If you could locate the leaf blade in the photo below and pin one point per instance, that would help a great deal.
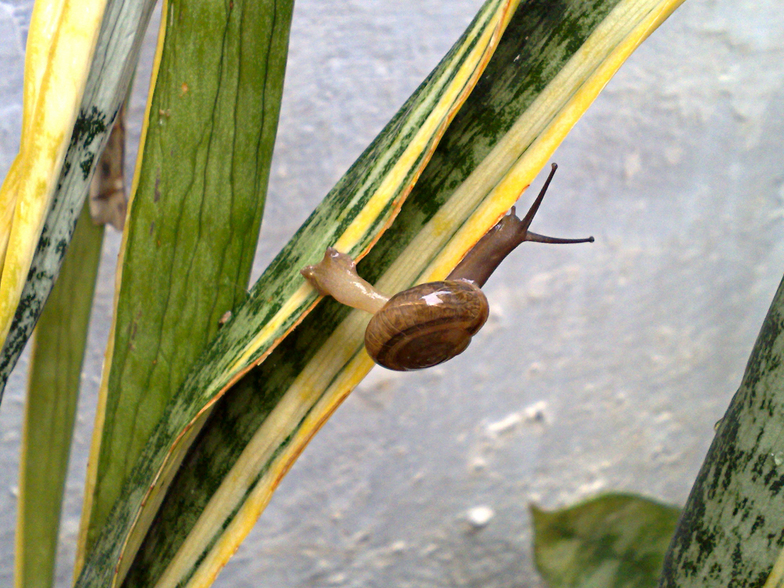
(286, 399)
(195, 211)
(114, 60)
(55, 370)
(730, 531)
(613, 540)
(53, 95)
(114, 544)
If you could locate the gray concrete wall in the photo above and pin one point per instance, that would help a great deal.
(602, 367)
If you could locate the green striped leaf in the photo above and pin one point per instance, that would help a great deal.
(353, 215)
(55, 370)
(116, 52)
(195, 212)
(730, 533)
(611, 541)
(60, 47)
(249, 425)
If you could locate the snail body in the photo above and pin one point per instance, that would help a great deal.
(417, 328)
(429, 323)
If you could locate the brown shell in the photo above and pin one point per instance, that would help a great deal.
(426, 325)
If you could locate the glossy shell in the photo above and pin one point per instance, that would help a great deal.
(426, 325)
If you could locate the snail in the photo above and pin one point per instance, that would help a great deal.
(429, 323)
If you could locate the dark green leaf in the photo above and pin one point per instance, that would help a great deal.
(731, 533)
(194, 216)
(613, 541)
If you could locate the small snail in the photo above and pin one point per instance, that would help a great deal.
(429, 323)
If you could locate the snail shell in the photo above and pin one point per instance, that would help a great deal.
(426, 325)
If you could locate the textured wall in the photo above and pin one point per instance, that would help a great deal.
(602, 367)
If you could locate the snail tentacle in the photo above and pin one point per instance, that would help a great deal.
(488, 253)
(336, 276)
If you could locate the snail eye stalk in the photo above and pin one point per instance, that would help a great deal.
(488, 253)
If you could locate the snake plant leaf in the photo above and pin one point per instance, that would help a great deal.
(195, 211)
(730, 533)
(114, 59)
(611, 541)
(55, 369)
(59, 52)
(353, 215)
(251, 425)
(62, 38)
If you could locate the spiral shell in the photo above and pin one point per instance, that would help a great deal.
(426, 325)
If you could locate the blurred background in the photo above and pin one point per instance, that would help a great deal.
(603, 367)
